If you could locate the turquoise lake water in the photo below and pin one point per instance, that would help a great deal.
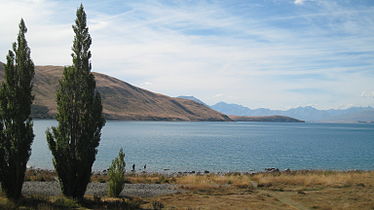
(225, 146)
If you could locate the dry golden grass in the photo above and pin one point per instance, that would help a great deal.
(315, 178)
(212, 181)
(293, 190)
(39, 175)
(149, 178)
(232, 200)
(297, 178)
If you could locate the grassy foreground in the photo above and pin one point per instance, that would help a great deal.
(285, 190)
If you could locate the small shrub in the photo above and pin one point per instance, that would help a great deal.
(66, 203)
(157, 205)
(162, 179)
(117, 175)
(96, 198)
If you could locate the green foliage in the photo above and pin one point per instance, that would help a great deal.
(117, 175)
(66, 203)
(16, 133)
(75, 140)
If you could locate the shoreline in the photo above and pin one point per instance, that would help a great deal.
(231, 121)
(38, 174)
(169, 171)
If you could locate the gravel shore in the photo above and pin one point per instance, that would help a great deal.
(100, 189)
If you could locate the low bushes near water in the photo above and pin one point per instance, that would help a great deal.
(134, 178)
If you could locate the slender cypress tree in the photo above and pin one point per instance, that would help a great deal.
(75, 140)
(16, 133)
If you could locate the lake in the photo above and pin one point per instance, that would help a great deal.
(225, 146)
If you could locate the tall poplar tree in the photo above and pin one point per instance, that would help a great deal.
(16, 133)
(75, 140)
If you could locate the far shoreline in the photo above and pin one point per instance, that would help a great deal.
(232, 121)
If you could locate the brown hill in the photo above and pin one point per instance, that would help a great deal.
(120, 100)
(274, 118)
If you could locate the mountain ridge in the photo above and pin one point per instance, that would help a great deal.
(192, 98)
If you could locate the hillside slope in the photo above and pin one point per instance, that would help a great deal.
(192, 98)
(120, 100)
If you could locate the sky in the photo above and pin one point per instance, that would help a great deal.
(274, 54)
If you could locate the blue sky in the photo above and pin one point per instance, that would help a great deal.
(260, 53)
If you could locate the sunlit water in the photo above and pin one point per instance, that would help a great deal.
(226, 146)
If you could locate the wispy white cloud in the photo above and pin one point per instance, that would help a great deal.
(368, 94)
(298, 2)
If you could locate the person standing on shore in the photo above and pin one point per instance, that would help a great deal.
(133, 167)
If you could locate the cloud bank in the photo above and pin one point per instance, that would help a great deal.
(252, 53)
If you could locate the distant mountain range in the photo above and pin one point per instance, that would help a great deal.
(308, 113)
(120, 100)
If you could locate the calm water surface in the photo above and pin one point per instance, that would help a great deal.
(226, 146)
